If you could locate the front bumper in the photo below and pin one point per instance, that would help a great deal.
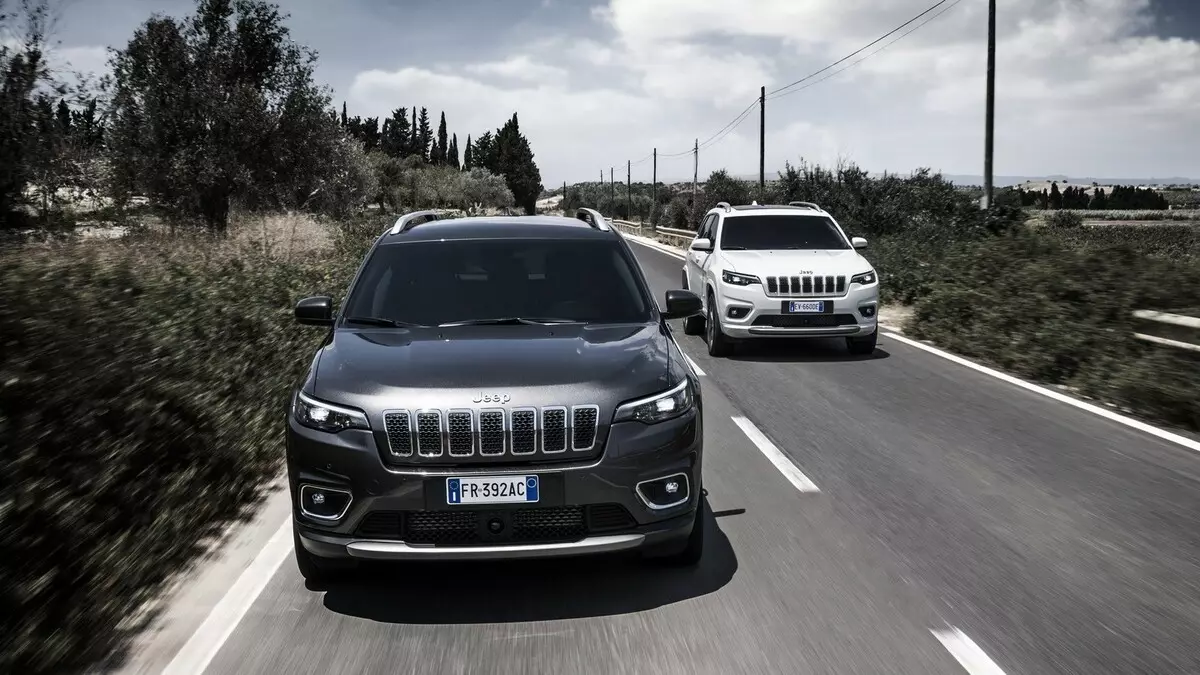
(857, 309)
(583, 508)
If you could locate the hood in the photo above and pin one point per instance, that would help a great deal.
(451, 367)
(789, 263)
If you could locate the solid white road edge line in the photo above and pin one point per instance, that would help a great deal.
(1037, 389)
(693, 364)
(966, 652)
(789, 470)
(193, 658)
(1050, 393)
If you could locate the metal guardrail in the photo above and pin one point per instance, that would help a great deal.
(665, 231)
(1171, 330)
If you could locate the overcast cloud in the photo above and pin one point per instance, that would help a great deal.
(1084, 87)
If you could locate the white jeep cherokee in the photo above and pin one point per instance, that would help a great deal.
(779, 271)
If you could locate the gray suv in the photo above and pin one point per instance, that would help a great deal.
(502, 387)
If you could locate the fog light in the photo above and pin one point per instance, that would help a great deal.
(664, 492)
(323, 503)
(867, 310)
(737, 312)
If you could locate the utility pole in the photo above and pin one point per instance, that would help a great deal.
(762, 144)
(695, 169)
(628, 189)
(612, 191)
(654, 188)
(990, 115)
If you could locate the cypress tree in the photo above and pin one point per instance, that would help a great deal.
(467, 154)
(443, 153)
(425, 136)
(452, 159)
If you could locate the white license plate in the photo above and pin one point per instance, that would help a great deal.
(492, 490)
(798, 306)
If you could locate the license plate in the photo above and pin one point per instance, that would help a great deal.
(800, 306)
(492, 490)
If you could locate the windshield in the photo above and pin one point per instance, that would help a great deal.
(758, 233)
(545, 280)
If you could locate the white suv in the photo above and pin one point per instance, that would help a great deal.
(779, 271)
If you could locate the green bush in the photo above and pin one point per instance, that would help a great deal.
(142, 389)
(1047, 311)
(1065, 220)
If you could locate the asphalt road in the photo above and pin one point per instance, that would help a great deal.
(1057, 540)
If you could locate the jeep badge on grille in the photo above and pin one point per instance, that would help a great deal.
(491, 398)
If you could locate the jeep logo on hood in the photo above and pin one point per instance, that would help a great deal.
(491, 398)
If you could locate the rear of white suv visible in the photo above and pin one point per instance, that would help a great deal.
(780, 271)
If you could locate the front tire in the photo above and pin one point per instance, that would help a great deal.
(718, 344)
(862, 346)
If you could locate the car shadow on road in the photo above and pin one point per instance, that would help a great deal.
(810, 350)
(534, 590)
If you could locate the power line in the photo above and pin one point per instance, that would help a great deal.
(736, 120)
(898, 38)
(861, 49)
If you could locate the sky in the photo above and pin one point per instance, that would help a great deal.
(1101, 88)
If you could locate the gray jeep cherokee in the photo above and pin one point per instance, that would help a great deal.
(501, 387)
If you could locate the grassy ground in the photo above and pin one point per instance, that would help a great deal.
(142, 385)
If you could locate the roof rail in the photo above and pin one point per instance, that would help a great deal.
(410, 220)
(808, 204)
(594, 218)
(725, 205)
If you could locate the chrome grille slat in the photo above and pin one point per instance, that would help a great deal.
(554, 430)
(584, 420)
(398, 426)
(492, 430)
(524, 431)
(821, 285)
(429, 433)
(460, 432)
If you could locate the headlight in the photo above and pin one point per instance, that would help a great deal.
(866, 278)
(738, 279)
(658, 408)
(327, 417)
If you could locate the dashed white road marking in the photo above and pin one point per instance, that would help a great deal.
(1050, 393)
(208, 639)
(966, 652)
(789, 470)
(693, 365)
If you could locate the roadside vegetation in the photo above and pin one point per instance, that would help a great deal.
(1048, 298)
(156, 230)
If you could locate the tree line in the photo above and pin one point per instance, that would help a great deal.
(1122, 198)
(219, 110)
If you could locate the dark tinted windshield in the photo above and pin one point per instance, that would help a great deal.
(431, 283)
(757, 233)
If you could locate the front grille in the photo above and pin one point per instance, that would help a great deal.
(453, 527)
(806, 285)
(489, 433)
(805, 321)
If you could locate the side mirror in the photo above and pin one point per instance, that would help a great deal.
(682, 304)
(858, 242)
(315, 311)
(702, 245)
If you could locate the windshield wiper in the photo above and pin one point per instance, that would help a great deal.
(508, 321)
(381, 321)
(734, 248)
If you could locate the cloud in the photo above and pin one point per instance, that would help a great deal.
(1069, 72)
(519, 67)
